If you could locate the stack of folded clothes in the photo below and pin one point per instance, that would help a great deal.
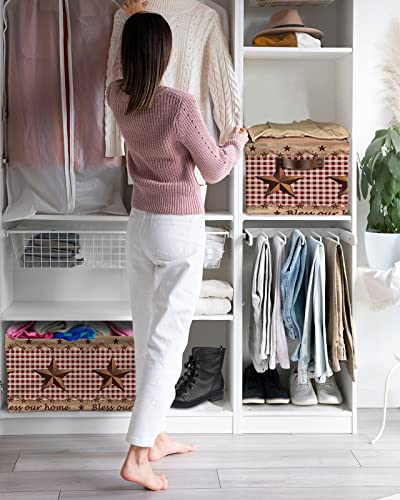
(52, 250)
(68, 330)
(215, 298)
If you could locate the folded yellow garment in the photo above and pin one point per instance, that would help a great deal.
(305, 128)
(280, 40)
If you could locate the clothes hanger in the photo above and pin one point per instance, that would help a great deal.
(316, 236)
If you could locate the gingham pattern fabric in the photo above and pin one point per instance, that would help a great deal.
(83, 383)
(314, 189)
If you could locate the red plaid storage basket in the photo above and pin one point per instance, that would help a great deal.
(57, 375)
(274, 188)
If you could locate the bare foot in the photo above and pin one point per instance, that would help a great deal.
(143, 474)
(165, 445)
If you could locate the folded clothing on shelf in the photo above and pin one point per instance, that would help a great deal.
(213, 306)
(299, 40)
(68, 330)
(216, 288)
(303, 128)
(215, 298)
(52, 250)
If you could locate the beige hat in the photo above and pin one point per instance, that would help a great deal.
(286, 21)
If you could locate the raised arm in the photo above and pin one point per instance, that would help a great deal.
(214, 162)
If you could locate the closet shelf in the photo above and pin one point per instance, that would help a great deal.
(293, 410)
(288, 53)
(217, 215)
(297, 218)
(79, 311)
(220, 409)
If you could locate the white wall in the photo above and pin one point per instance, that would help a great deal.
(378, 333)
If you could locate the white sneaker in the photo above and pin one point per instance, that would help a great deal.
(302, 394)
(328, 393)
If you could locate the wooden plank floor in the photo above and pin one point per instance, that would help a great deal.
(224, 467)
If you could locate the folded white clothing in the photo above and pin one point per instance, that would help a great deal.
(216, 288)
(306, 41)
(213, 306)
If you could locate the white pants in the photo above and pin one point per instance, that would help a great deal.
(165, 268)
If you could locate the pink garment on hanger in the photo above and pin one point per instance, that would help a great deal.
(56, 57)
(96, 176)
(35, 144)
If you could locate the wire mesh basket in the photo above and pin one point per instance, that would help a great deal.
(69, 249)
(82, 246)
(290, 3)
(215, 247)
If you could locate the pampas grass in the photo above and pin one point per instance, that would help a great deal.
(391, 70)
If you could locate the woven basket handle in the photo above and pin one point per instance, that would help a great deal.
(311, 164)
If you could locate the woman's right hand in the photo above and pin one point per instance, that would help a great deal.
(131, 7)
(242, 133)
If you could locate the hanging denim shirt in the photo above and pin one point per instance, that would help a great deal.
(293, 287)
(313, 356)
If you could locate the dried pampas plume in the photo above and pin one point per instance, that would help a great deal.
(391, 70)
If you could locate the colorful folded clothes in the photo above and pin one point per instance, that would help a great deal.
(70, 330)
(76, 333)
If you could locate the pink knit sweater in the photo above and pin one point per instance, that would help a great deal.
(164, 144)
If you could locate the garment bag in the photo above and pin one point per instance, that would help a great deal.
(56, 53)
(98, 181)
(36, 132)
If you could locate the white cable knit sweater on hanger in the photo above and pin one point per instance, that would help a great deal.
(200, 64)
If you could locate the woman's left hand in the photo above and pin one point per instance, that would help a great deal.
(134, 6)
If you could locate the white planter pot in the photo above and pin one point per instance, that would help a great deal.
(382, 249)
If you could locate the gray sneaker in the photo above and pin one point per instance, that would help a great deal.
(302, 394)
(328, 393)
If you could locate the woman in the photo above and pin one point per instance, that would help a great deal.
(166, 137)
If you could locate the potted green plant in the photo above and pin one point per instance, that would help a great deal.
(379, 179)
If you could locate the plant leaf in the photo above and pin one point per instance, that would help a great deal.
(364, 185)
(394, 212)
(374, 148)
(395, 138)
(394, 166)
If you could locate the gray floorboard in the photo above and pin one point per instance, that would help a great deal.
(224, 467)
(238, 494)
(197, 460)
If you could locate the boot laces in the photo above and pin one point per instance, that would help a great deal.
(188, 380)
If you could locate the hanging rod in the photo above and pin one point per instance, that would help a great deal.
(345, 236)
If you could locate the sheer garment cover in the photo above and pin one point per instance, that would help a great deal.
(56, 70)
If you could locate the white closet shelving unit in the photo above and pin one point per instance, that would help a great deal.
(277, 85)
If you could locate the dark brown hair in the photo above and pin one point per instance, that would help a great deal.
(145, 52)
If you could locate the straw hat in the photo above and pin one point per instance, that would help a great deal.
(286, 21)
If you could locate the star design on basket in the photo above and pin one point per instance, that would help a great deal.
(112, 375)
(287, 148)
(343, 180)
(53, 375)
(252, 148)
(279, 182)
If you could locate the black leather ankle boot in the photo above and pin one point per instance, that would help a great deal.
(202, 380)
